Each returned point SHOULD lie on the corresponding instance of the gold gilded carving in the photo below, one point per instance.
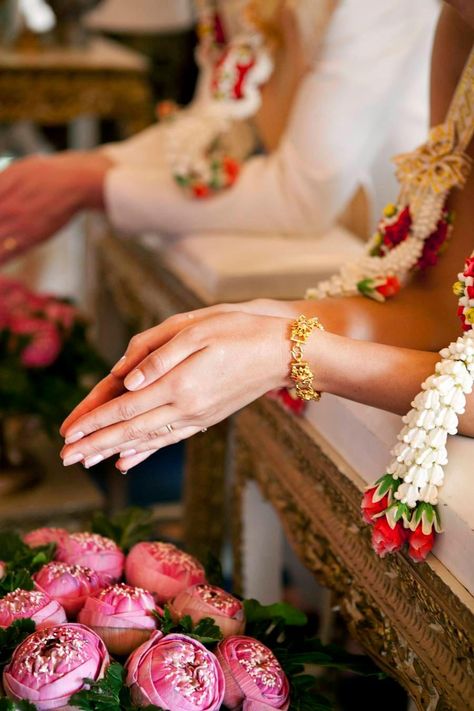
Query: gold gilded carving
(56, 96)
(404, 615)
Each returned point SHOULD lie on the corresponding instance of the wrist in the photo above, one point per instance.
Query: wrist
(88, 171)
(318, 352)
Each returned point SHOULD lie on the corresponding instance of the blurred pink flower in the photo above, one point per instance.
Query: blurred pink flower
(51, 664)
(162, 569)
(3, 569)
(42, 609)
(253, 675)
(69, 584)
(97, 552)
(175, 672)
(62, 313)
(43, 536)
(45, 343)
(204, 600)
(121, 615)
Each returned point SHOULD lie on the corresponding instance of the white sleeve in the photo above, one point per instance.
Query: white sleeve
(343, 112)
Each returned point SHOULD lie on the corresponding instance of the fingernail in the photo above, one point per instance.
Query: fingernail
(128, 453)
(133, 380)
(74, 437)
(118, 364)
(73, 459)
(92, 461)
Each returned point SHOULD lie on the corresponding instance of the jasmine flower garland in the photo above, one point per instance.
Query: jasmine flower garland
(402, 505)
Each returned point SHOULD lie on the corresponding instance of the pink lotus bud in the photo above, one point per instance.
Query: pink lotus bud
(42, 609)
(253, 675)
(50, 665)
(175, 672)
(205, 600)
(162, 569)
(97, 552)
(121, 615)
(70, 585)
(43, 536)
(3, 569)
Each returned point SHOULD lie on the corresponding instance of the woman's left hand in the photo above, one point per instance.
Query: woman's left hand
(203, 374)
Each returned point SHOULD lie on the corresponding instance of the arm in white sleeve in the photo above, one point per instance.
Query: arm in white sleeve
(342, 113)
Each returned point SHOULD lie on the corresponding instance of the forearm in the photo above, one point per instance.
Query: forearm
(386, 377)
(90, 170)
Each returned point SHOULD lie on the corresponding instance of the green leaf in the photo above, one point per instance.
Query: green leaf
(206, 631)
(107, 694)
(165, 621)
(12, 636)
(102, 695)
(22, 561)
(126, 528)
(304, 695)
(13, 705)
(280, 611)
(15, 579)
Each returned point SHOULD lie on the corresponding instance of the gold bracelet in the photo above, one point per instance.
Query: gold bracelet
(300, 372)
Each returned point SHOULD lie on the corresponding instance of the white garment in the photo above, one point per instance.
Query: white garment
(365, 98)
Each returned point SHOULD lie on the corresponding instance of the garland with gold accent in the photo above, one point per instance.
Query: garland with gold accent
(402, 505)
(412, 233)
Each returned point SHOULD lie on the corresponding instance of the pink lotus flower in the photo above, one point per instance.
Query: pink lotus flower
(253, 675)
(204, 600)
(175, 672)
(162, 569)
(386, 539)
(43, 536)
(69, 584)
(50, 665)
(45, 343)
(420, 544)
(38, 606)
(97, 552)
(121, 615)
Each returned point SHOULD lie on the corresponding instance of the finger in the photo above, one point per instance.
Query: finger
(164, 359)
(107, 389)
(144, 428)
(145, 343)
(127, 462)
(125, 407)
(123, 465)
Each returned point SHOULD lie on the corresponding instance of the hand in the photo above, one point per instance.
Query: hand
(145, 343)
(192, 380)
(39, 195)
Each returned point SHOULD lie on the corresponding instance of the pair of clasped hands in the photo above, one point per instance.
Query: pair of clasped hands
(177, 379)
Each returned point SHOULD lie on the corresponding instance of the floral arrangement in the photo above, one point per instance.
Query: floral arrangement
(46, 364)
(182, 643)
(402, 505)
(196, 143)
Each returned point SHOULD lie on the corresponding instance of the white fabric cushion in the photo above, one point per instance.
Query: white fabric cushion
(237, 267)
(364, 435)
(142, 16)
